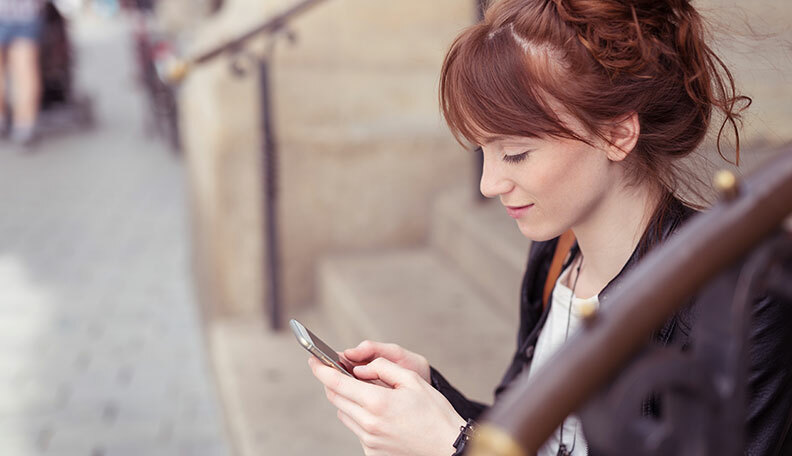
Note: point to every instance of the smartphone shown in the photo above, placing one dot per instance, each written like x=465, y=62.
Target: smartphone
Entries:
x=316, y=347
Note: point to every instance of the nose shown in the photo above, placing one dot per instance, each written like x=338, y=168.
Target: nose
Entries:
x=494, y=181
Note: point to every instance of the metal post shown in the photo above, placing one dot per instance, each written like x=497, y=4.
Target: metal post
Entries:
x=479, y=157
x=270, y=190
x=180, y=68
x=481, y=5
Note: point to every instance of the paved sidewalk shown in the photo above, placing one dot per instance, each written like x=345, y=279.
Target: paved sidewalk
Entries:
x=101, y=347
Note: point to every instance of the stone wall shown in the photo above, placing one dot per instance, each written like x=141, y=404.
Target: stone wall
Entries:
x=362, y=148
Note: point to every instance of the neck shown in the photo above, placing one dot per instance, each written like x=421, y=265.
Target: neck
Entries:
x=609, y=235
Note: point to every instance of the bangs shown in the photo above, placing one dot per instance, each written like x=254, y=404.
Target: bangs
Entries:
x=495, y=83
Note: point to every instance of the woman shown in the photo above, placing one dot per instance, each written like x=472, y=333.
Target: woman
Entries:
x=581, y=109
x=20, y=29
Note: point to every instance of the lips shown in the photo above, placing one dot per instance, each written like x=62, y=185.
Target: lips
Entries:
x=518, y=211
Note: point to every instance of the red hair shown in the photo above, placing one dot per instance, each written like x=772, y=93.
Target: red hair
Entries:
x=598, y=60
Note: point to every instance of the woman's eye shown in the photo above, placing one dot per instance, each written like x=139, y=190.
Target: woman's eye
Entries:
x=515, y=158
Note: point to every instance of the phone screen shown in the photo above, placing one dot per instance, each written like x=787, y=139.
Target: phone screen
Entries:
x=324, y=348
x=318, y=348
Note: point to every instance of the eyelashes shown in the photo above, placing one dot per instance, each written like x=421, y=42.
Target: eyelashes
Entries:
x=515, y=158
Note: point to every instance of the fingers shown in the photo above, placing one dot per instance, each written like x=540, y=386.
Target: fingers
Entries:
x=363, y=353
x=368, y=350
x=352, y=389
x=369, y=376
x=351, y=424
x=360, y=372
x=390, y=373
x=355, y=412
x=345, y=361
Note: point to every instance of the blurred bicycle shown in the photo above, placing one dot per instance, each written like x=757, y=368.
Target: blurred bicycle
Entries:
x=63, y=107
x=154, y=50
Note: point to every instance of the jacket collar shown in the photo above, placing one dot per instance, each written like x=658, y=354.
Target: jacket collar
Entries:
x=670, y=214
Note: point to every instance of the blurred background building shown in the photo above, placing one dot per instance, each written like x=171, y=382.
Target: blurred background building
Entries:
x=136, y=276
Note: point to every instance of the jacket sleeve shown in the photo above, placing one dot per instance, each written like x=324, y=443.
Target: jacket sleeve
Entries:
x=465, y=407
x=770, y=377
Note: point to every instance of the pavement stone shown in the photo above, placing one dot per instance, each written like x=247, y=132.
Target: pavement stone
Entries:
x=102, y=350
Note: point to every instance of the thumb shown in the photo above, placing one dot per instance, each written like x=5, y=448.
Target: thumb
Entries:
x=389, y=372
x=364, y=352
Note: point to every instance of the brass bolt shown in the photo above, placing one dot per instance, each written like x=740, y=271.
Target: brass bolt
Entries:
x=727, y=184
x=177, y=70
x=588, y=311
x=492, y=441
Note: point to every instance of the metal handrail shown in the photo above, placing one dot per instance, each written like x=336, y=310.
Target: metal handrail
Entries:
x=179, y=69
x=532, y=409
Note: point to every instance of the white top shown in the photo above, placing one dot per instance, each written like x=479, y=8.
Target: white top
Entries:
x=551, y=338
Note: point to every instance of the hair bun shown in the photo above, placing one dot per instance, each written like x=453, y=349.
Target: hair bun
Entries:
x=626, y=37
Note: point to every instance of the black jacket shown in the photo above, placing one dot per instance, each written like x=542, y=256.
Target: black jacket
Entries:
x=770, y=380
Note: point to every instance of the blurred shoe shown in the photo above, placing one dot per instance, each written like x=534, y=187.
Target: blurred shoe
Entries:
x=23, y=136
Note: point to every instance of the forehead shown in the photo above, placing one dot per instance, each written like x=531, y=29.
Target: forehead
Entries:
x=507, y=140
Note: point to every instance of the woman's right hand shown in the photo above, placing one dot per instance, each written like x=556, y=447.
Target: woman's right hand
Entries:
x=367, y=351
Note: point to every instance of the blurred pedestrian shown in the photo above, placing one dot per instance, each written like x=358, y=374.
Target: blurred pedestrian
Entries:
x=20, y=29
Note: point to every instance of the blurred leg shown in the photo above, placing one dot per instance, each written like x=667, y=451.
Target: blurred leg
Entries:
x=23, y=55
x=2, y=88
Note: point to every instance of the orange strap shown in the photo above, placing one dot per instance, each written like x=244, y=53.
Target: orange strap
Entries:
x=565, y=243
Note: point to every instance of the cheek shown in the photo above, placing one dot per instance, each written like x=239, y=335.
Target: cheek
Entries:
x=564, y=187
x=558, y=178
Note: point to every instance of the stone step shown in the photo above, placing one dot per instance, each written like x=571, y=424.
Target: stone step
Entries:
x=484, y=243
x=273, y=405
x=414, y=298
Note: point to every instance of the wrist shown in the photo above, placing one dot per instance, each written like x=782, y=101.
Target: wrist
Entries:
x=466, y=431
x=452, y=434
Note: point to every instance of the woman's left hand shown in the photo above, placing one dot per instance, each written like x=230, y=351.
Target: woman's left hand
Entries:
x=408, y=417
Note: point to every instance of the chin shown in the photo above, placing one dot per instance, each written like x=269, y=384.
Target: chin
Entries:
x=536, y=234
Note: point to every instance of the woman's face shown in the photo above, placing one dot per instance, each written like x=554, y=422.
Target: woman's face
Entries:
x=562, y=180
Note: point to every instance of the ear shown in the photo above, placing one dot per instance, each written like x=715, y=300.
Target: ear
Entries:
x=623, y=137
